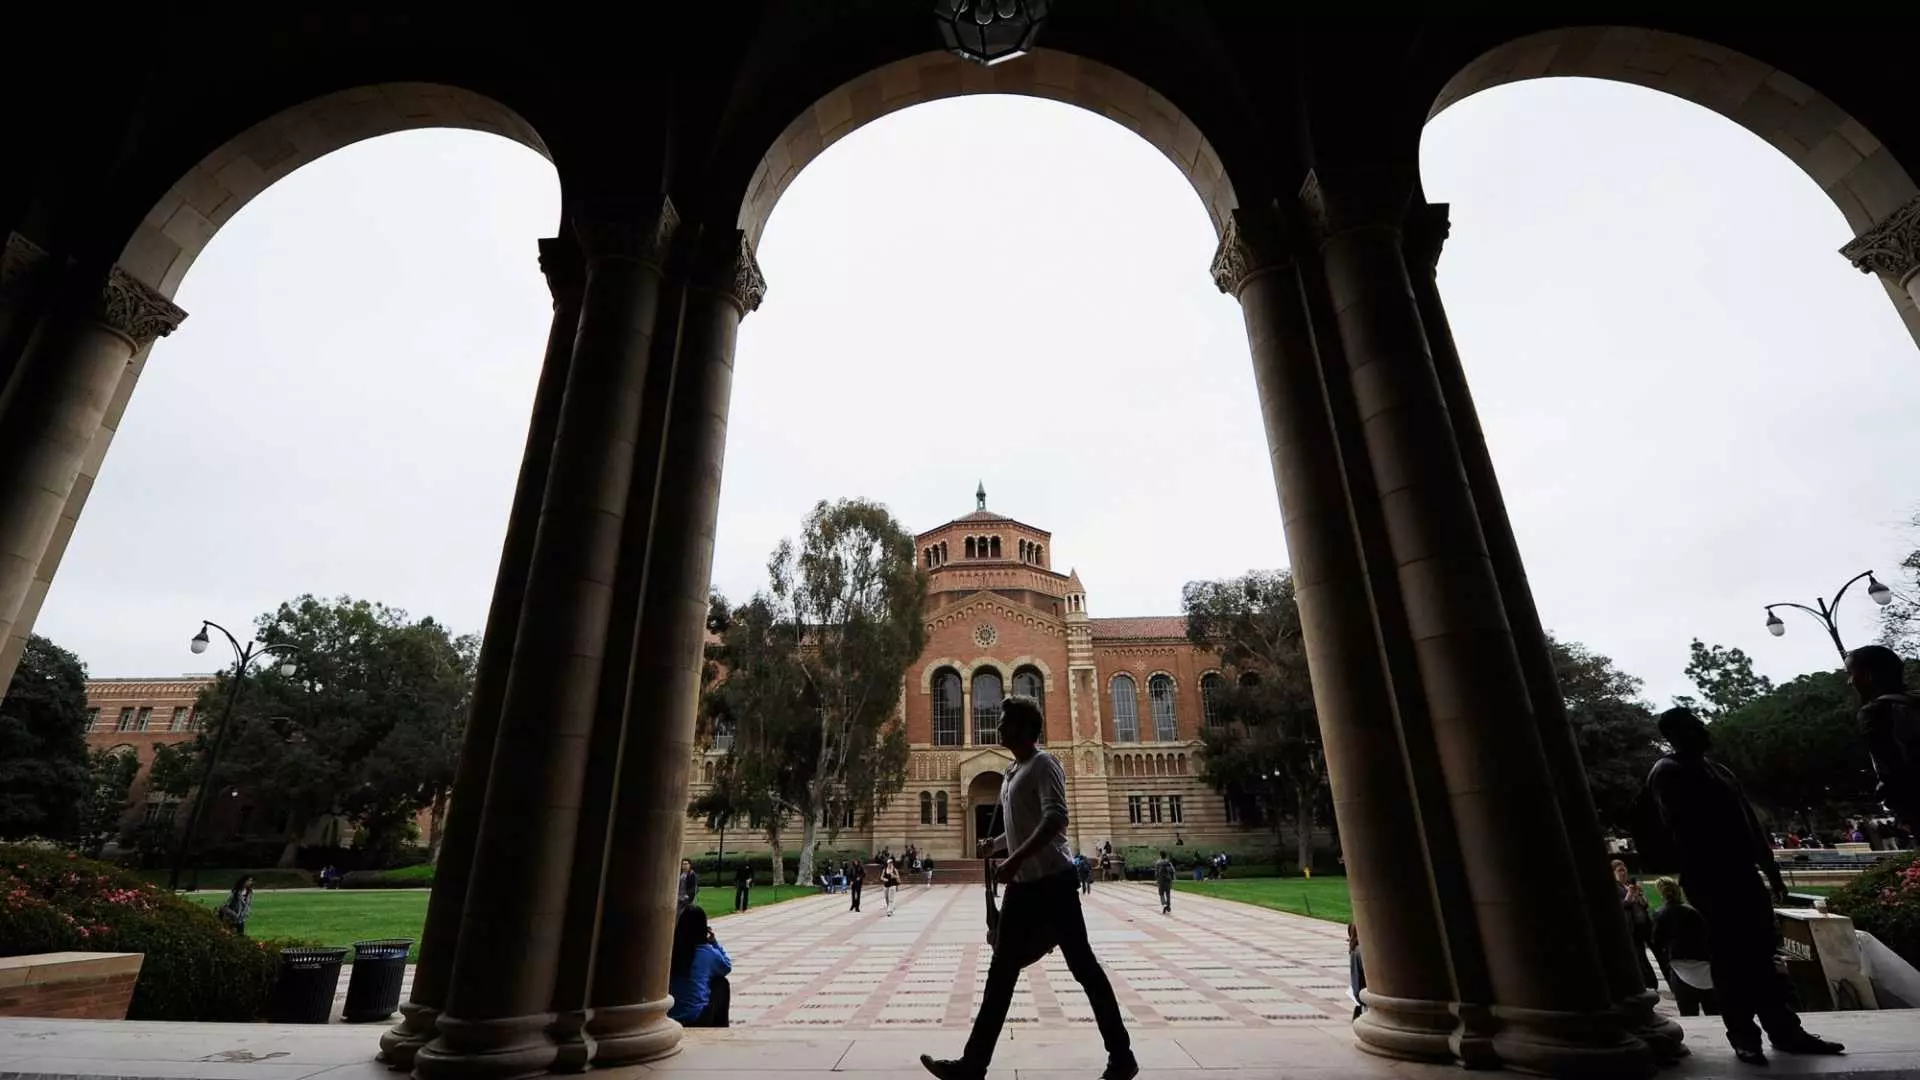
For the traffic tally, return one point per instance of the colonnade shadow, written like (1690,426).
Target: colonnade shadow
(1473,852)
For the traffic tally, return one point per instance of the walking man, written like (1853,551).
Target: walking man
(1722,855)
(689,890)
(1163,877)
(742,885)
(1042,905)
(856,876)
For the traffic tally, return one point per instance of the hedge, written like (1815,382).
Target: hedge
(406,877)
(223,877)
(1885,902)
(762,863)
(194,967)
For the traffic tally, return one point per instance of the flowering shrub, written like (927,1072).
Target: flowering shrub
(195,968)
(1885,902)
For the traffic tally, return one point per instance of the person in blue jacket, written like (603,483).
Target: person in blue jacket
(698,973)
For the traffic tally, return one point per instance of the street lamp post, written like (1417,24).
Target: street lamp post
(243,657)
(1826,612)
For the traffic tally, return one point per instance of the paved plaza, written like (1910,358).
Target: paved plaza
(813,964)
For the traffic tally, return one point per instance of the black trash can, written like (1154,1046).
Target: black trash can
(373,991)
(303,990)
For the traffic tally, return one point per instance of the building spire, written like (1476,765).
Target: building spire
(980,496)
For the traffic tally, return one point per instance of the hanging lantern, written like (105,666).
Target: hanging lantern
(989,31)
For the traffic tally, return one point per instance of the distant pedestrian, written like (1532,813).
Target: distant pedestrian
(1163,877)
(1356,970)
(856,878)
(238,907)
(1890,721)
(1722,854)
(890,881)
(689,890)
(742,886)
(1083,866)
(1639,918)
(926,863)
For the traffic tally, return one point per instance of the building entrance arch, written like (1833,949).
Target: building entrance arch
(983,799)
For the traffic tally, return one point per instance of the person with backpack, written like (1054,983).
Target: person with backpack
(1890,721)
(238,907)
(1163,877)
(1723,852)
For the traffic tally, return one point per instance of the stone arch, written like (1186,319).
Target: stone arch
(1046,673)
(931,666)
(1848,162)
(1044,73)
(181,223)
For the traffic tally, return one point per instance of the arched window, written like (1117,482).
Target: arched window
(1210,686)
(995,545)
(706,773)
(1160,698)
(1126,710)
(987,692)
(943,551)
(947,707)
(1030,682)
(969,547)
(1039,554)
(926,808)
(940,808)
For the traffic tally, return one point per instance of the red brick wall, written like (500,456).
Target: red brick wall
(75,986)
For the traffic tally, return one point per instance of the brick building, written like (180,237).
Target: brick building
(1125,701)
(137,716)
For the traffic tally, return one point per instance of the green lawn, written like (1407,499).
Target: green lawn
(1320,897)
(344,916)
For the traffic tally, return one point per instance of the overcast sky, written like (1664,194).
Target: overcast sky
(1697,407)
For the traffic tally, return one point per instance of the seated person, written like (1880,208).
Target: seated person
(698,973)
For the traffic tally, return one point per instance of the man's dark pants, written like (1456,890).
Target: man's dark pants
(1050,907)
(853,886)
(1741,933)
(740,897)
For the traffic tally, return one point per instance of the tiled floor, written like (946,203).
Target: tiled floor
(813,964)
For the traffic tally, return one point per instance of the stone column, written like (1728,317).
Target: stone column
(573,985)
(1551,998)
(51,408)
(1892,250)
(1424,233)
(560,261)
(1408,982)
(494,1024)
(629,1020)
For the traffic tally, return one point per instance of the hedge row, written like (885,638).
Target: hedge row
(719,870)
(194,967)
(1885,902)
(406,877)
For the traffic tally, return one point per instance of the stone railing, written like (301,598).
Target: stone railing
(74,985)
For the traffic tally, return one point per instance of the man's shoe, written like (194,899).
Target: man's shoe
(1750,1055)
(1808,1043)
(1125,1068)
(951,1069)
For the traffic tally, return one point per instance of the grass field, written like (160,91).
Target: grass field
(1320,897)
(344,916)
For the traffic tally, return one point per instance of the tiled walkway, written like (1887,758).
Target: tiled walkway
(812,964)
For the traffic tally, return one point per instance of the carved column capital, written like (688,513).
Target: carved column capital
(726,266)
(1424,233)
(1892,247)
(135,310)
(1256,240)
(627,228)
(20,263)
(1340,201)
(565,269)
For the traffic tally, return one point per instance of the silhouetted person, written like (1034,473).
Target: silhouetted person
(1722,854)
(689,887)
(856,877)
(1890,721)
(1163,878)
(1680,941)
(1633,906)
(1042,908)
(742,886)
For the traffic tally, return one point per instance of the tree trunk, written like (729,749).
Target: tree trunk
(809,838)
(1304,824)
(436,823)
(779,852)
(289,854)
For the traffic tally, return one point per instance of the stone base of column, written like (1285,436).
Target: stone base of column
(631,1034)
(1472,1040)
(1569,1044)
(573,1046)
(508,1048)
(1665,1038)
(401,1042)
(1408,1029)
